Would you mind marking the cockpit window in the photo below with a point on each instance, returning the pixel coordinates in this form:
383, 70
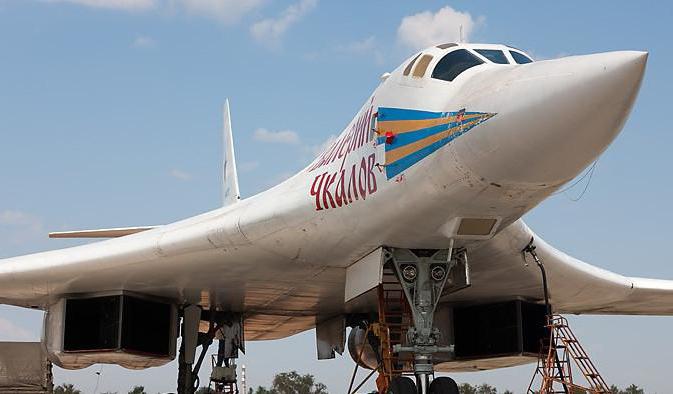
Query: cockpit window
455, 63
407, 69
520, 58
494, 55
422, 65
447, 45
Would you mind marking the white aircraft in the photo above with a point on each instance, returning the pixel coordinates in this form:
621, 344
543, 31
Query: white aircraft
440, 164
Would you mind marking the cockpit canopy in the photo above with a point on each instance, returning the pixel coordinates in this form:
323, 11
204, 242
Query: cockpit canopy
454, 59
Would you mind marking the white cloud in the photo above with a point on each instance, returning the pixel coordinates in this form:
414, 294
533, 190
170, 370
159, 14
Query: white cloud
270, 31
316, 150
11, 332
248, 166
143, 42
426, 29
276, 137
20, 219
361, 46
227, 11
19, 227
128, 5
367, 47
181, 175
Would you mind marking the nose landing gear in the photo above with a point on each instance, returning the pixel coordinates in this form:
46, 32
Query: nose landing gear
443, 385
439, 385
402, 385
424, 276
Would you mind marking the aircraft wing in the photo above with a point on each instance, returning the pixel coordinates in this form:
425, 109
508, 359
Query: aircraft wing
101, 233
500, 270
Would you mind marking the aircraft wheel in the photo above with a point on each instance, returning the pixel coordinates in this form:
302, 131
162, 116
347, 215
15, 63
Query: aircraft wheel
443, 385
401, 385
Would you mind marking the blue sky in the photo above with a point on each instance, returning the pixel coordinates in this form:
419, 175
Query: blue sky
110, 115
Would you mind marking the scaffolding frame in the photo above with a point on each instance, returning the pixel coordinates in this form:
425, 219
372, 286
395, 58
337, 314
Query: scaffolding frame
555, 364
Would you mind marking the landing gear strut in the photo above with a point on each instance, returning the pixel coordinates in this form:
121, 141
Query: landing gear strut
227, 328
425, 275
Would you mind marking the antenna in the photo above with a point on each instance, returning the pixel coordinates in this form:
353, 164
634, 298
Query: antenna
460, 34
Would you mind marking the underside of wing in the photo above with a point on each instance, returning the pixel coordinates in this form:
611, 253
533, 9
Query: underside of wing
500, 270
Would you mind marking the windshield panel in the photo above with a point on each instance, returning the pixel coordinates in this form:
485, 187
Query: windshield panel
520, 58
455, 63
494, 55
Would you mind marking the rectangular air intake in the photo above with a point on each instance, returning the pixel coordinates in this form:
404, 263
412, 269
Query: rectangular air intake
118, 323
500, 329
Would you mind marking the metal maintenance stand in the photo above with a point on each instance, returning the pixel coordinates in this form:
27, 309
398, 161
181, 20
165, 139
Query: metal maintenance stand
554, 366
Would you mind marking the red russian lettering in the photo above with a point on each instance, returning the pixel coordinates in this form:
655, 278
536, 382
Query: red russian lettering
326, 192
362, 178
352, 185
371, 176
340, 191
316, 192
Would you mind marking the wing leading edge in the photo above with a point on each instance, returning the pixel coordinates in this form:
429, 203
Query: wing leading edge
575, 286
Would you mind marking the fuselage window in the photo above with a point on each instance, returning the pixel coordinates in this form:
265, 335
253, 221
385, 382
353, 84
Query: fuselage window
494, 55
422, 65
447, 45
520, 58
407, 69
455, 63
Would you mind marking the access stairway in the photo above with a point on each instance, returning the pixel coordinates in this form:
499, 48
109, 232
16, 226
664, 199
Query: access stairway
394, 322
555, 368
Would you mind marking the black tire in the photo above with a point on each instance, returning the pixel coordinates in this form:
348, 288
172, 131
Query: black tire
401, 385
443, 385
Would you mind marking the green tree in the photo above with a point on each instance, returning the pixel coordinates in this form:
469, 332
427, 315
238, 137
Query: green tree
66, 388
486, 389
633, 389
293, 383
467, 388
138, 390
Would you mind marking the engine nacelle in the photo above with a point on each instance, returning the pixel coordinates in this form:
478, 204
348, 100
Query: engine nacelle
133, 331
360, 349
485, 336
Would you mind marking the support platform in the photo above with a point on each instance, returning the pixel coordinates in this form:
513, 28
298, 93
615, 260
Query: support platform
554, 372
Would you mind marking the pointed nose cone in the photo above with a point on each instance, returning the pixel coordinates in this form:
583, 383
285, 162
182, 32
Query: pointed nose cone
554, 117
